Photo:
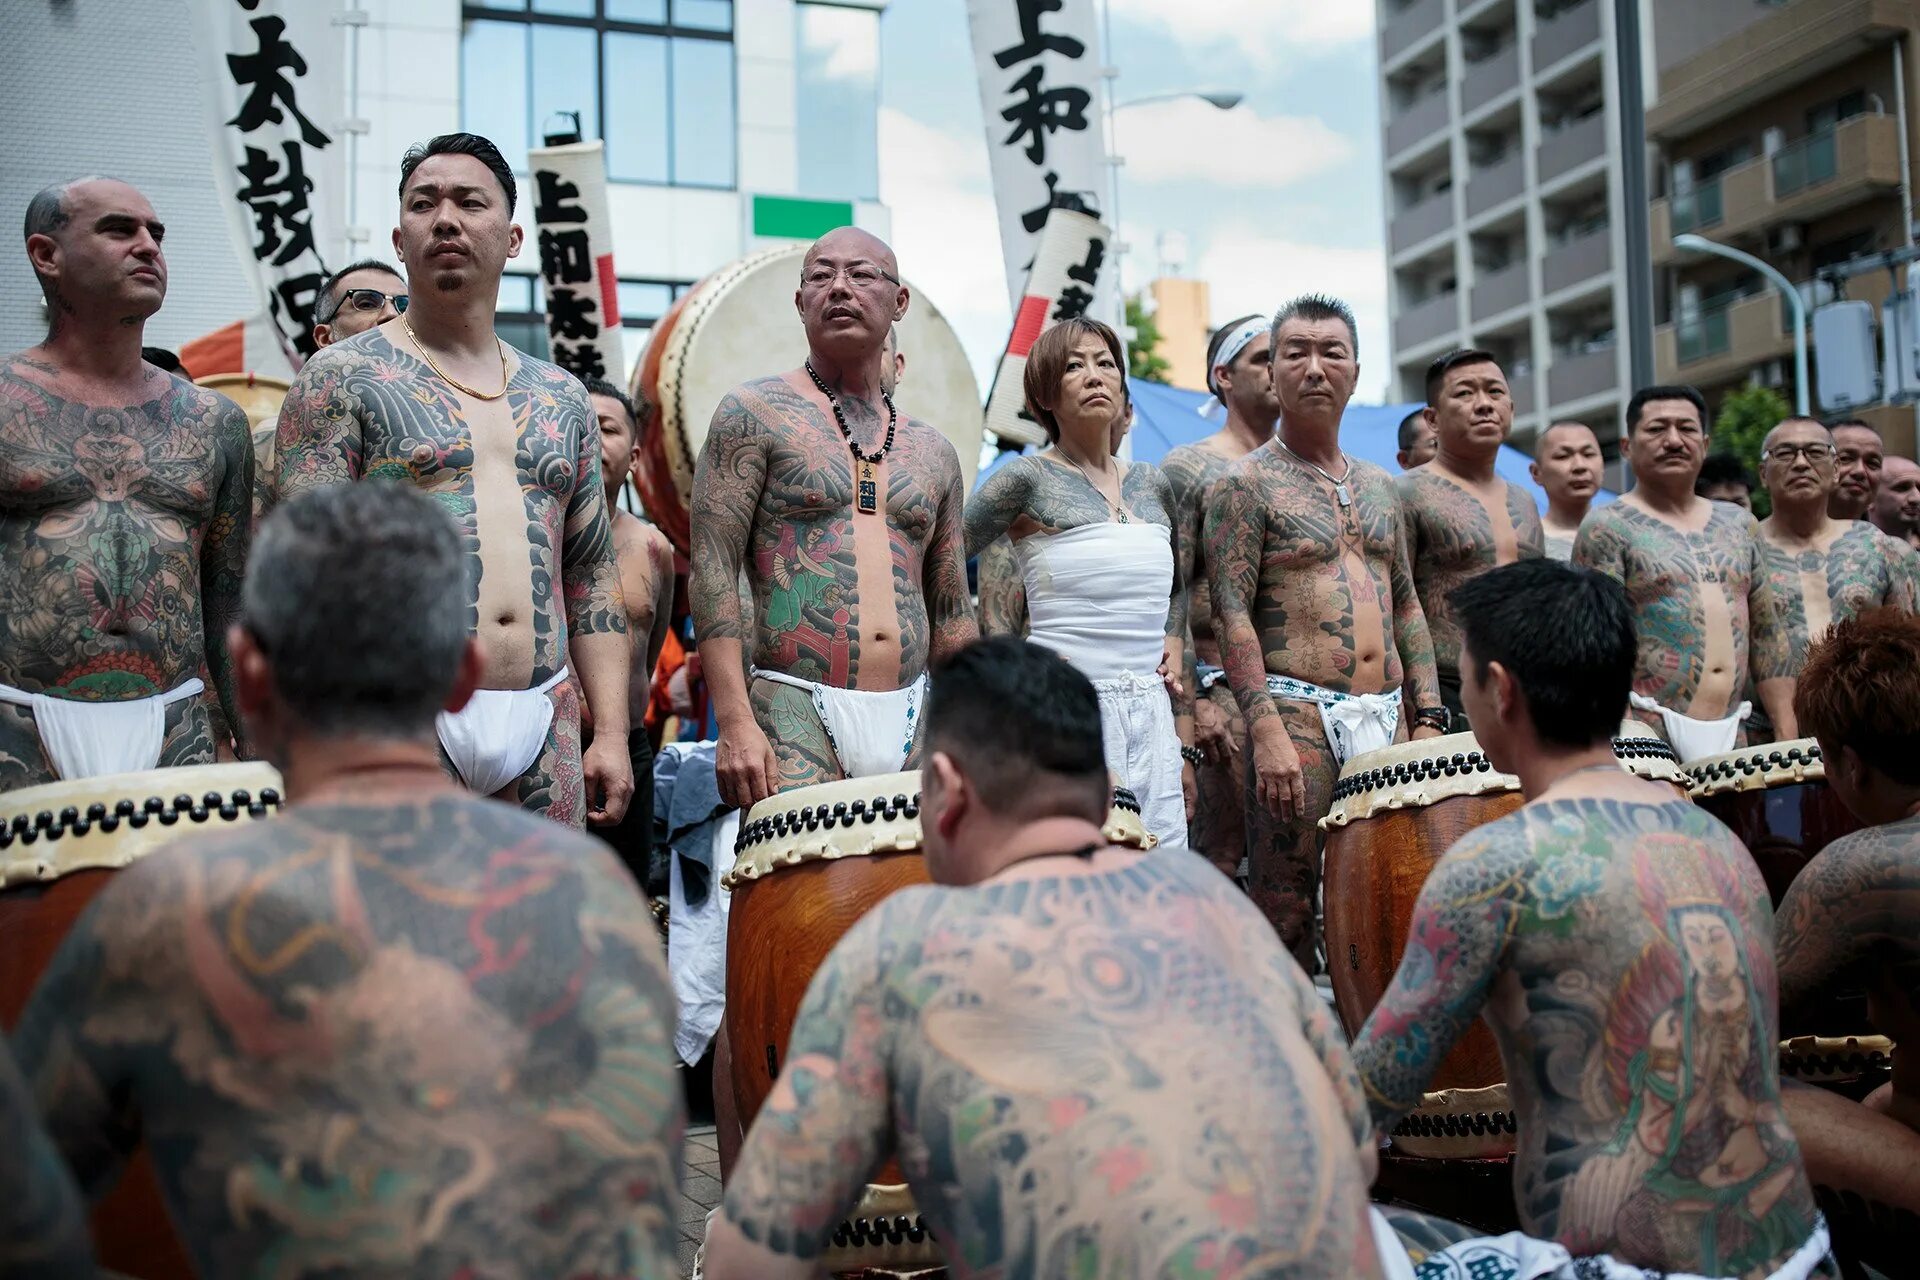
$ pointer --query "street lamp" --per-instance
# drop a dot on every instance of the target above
(1700, 244)
(1226, 100)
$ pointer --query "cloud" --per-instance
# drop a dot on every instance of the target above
(1188, 140)
(1265, 32)
(1254, 272)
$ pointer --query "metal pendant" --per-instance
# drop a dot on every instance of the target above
(869, 490)
(1345, 498)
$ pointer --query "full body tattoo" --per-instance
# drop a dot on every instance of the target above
(521, 478)
(1623, 955)
(433, 1039)
(1112, 1073)
(840, 599)
(123, 535)
(1302, 588)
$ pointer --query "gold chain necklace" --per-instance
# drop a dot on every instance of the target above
(452, 381)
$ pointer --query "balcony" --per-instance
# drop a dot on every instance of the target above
(1422, 222)
(1426, 321)
(1503, 180)
(1722, 342)
(1816, 176)
(1499, 291)
(1577, 261)
(1768, 58)
(1490, 79)
(1417, 122)
(1568, 33)
(1409, 27)
(1520, 388)
(1581, 375)
(1573, 146)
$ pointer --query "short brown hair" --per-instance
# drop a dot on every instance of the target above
(1047, 366)
(1861, 689)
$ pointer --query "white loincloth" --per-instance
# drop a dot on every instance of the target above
(1143, 750)
(1515, 1256)
(498, 735)
(1356, 723)
(91, 739)
(871, 729)
(1695, 739)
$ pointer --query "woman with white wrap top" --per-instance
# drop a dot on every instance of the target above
(1095, 544)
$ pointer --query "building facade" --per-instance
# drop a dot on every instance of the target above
(1503, 164)
(1181, 308)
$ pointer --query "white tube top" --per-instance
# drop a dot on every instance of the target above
(1098, 595)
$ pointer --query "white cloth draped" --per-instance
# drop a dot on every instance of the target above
(94, 739)
(498, 735)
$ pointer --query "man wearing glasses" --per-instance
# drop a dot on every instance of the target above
(1823, 570)
(356, 298)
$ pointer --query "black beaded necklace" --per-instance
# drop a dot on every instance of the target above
(869, 490)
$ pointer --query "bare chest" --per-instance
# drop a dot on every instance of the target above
(1665, 563)
(440, 440)
(140, 459)
(1308, 527)
(813, 478)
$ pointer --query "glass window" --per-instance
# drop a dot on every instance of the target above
(644, 301)
(703, 15)
(516, 293)
(514, 5)
(565, 8)
(837, 99)
(493, 73)
(703, 137)
(636, 71)
(563, 78)
(650, 11)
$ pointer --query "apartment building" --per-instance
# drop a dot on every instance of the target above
(1503, 171)
(1785, 130)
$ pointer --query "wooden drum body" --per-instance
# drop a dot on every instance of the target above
(58, 845)
(1774, 797)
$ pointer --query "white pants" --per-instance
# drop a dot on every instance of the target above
(498, 735)
(1515, 1256)
(1695, 739)
(1143, 750)
(91, 739)
(871, 730)
(1356, 723)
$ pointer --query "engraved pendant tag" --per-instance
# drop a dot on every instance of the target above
(1346, 499)
(869, 491)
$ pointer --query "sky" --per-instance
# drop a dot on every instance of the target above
(1277, 197)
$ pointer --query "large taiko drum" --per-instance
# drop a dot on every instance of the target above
(58, 845)
(739, 324)
(808, 864)
(1775, 797)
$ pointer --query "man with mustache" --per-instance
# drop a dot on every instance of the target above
(125, 496)
(1896, 501)
(845, 517)
(1707, 615)
(508, 444)
(1566, 463)
(1859, 462)
(1461, 517)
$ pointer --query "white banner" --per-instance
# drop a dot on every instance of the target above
(1066, 275)
(1043, 97)
(574, 234)
(275, 76)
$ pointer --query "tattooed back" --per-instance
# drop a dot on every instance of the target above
(427, 1039)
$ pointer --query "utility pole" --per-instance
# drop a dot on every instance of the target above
(1635, 196)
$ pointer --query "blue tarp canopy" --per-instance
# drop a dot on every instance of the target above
(1165, 418)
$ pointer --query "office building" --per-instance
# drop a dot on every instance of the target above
(1181, 308)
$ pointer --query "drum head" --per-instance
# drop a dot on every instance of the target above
(739, 324)
(260, 394)
(1771, 764)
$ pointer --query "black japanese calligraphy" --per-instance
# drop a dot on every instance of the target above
(1040, 111)
(1033, 41)
(263, 73)
(277, 194)
(566, 257)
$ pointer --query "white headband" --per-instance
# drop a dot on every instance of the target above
(1229, 351)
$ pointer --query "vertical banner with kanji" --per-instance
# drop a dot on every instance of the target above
(1067, 270)
(1040, 89)
(574, 237)
(275, 77)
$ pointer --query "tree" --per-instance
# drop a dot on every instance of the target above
(1143, 357)
(1741, 427)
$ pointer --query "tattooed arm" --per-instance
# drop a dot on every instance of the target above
(223, 565)
(318, 441)
(1236, 538)
(825, 1127)
(1770, 642)
(43, 1223)
(949, 610)
(1458, 935)
(597, 641)
(1858, 896)
(1003, 596)
(1597, 547)
(996, 504)
(1903, 574)
(1410, 634)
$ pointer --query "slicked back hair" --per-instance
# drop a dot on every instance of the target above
(1459, 358)
(460, 144)
(1024, 725)
(1047, 366)
(1566, 636)
(601, 387)
(1860, 688)
(1647, 395)
(1315, 306)
(357, 594)
(327, 305)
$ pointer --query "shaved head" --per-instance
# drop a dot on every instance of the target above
(851, 244)
(1796, 425)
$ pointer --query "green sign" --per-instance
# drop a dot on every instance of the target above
(790, 218)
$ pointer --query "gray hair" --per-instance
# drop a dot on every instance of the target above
(1315, 306)
(357, 594)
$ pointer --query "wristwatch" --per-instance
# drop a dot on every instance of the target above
(1192, 755)
(1434, 718)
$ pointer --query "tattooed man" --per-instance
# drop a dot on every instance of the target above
(1823, 570)
(1704, 604)
(1090, 1062)
(1240, 375)
(125, 496)
(1462, 518)
(398, 1030)
(1416, 441)
(509, 446)
(1319, 625)
(1896, 501)
(1860, 459)
(846, 518)
(1567, 464)
(1619, 942)
(43, 1223)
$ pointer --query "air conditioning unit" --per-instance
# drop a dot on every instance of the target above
(1788, 237)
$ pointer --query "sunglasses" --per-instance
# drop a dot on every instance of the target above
(372, 300)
